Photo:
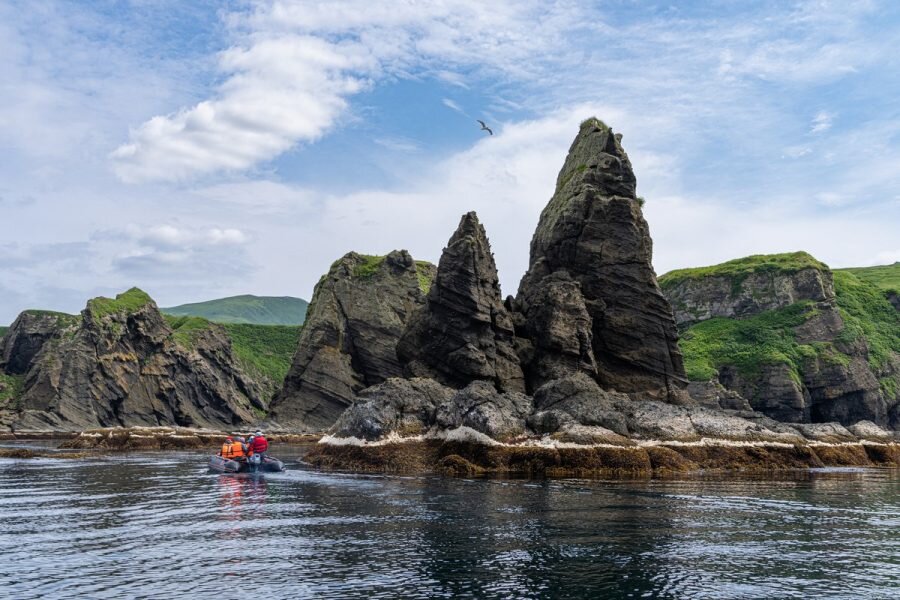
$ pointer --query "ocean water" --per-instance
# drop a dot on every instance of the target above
(158, 525)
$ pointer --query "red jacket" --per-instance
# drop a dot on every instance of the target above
(259, 444)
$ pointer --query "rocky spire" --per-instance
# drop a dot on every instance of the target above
(464, 333)
(358, 311)
(593, 233)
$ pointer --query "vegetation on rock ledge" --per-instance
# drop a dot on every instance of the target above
(126, 302)
(868, 314)
(742, 268)
(752, 343)
(10, 389)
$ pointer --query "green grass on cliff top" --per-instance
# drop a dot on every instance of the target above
(371, 263)
(126, 302)
(886, 277)
(741, 268)
(257, 310)
(3, 330)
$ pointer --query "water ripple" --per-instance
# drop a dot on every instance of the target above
(150, 524)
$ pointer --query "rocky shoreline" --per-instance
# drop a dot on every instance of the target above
(654, 458)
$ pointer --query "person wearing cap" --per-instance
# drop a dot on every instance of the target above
(258, 445)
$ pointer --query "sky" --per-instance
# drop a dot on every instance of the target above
(206, 149)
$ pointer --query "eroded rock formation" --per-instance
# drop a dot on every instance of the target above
(464, 333)
(593, 234)
(120, 364)
(792, 355)
(357, 314)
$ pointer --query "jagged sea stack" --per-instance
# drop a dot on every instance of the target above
(592, 247)
(358, 311)
(120, 363)
(464, 333)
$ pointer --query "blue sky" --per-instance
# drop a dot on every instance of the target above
(203, 149)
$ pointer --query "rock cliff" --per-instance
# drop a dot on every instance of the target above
(591, 258)
(800, 343)
(747, 286)
(121, 363)
(463, 333)
(357, 314)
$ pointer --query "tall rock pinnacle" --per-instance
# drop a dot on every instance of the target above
(463, 333)
(593, 234)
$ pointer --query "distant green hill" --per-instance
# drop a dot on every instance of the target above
(3, 330)
(256, 310)
(887, 277)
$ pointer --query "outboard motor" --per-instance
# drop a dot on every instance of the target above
(255, 460)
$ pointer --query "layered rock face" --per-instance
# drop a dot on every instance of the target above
(119, 364)
(357, 314)
(700, 298)
(591, 258)
(780, 339)
(27, 335)
(464, 333)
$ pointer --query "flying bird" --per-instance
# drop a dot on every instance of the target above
(485, 127)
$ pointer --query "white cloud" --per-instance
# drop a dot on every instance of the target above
(887, 257)
(453, 105)
(821, 122)
(295, 64)
(796, 151)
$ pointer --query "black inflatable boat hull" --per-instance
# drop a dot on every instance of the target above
(226, 465)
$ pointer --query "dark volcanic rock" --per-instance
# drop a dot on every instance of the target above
(464, 333)
(593, 233)
(894, 298)
(479, 406)
(121, 366)
(576, 399)
(400, 406)
(356, 316)
(409, 407)
(559, 330)
(27, 335)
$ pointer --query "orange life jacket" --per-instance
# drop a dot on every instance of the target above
(232, 450)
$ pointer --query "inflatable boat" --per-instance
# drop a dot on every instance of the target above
(227, 465)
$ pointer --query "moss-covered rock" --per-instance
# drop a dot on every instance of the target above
(799, 342)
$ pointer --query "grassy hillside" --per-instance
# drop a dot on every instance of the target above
(768, 338)
(741, 268)
(3, 330)
(257, 310)
(264, 351)
(887, 277)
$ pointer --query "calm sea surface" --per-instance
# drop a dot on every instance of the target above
(157, 525)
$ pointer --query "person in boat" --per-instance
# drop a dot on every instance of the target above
(232, 449)
(258, 444)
